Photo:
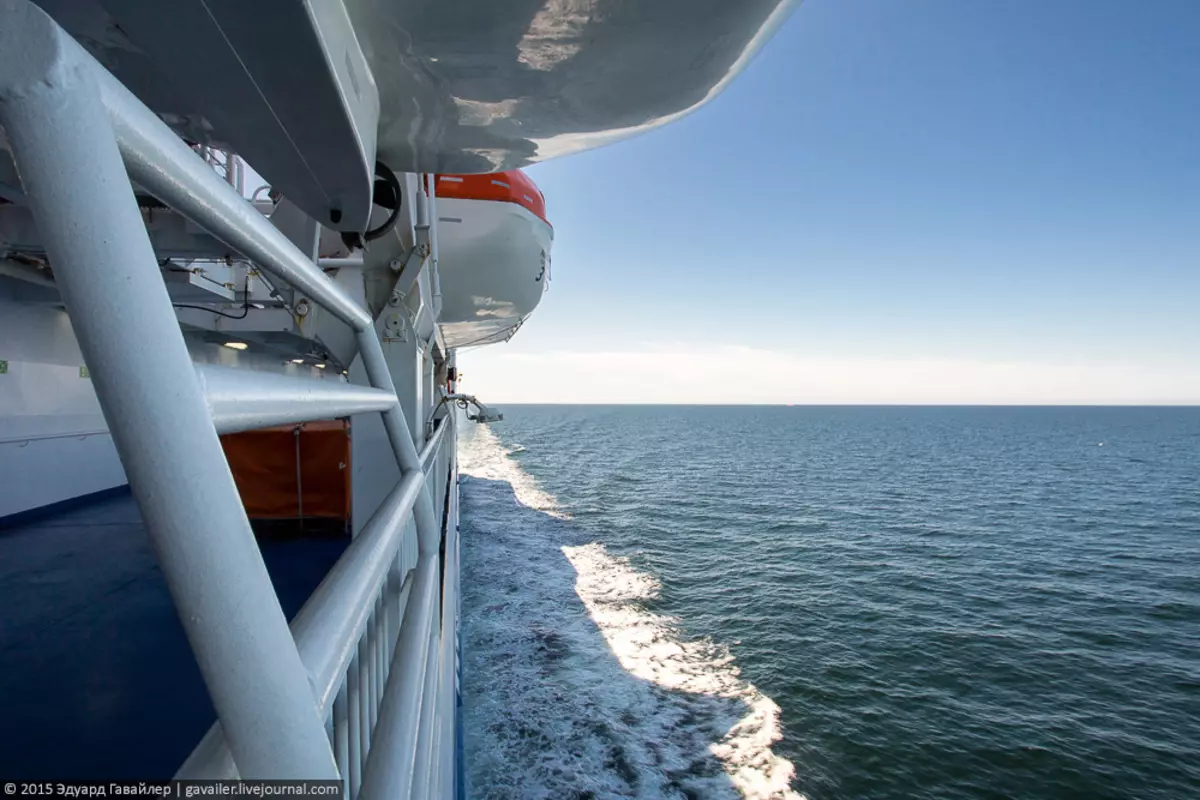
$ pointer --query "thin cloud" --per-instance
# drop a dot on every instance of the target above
(735, 374)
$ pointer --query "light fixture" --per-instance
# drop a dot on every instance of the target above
(297, 360)
(236, 345)
(319, 366)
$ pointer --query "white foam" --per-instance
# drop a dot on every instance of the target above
(601, 698)
(481, 455)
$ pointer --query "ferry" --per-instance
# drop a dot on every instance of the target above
(240, 246)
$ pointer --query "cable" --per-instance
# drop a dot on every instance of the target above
(245, 306)
(275, 293)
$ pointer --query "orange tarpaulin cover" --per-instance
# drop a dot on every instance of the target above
(264, 467)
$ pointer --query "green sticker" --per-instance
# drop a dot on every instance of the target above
(83, 372)
(3, 367)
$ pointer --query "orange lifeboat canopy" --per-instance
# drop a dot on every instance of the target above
(513, 186)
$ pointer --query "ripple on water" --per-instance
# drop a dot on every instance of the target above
(941, 602)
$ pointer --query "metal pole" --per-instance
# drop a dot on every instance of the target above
(400, 604)
(427, 729)
(390, 773)
(373, 667)
(395, 605)
(354, 709)
(71, 170)
(385, 651)
(377, 646)
(299, 478)
(364, 700)
(435, 271)
(244, 399)
(383, 642)
(341, 739)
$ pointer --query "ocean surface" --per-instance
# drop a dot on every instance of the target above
(782, 602)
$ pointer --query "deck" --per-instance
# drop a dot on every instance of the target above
(96, 677)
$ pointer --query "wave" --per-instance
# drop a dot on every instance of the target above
(480, 455)
(571, 687)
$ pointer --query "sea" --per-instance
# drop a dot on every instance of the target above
(831, 602)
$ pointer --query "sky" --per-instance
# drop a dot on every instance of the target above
(927, 201)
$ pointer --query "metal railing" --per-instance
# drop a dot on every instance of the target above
(347, 635)
(356, 688)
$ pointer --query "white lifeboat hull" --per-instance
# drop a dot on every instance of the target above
(494, 263)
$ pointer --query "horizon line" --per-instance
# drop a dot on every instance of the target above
(848, 405)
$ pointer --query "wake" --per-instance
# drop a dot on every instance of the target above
(571, 688)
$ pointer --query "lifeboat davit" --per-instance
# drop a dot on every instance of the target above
(493, 254)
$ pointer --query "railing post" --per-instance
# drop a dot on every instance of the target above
(341, 737)
(354, 719)
(71, 170)
(391, 774)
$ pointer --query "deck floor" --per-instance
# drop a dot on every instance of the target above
(96, 676)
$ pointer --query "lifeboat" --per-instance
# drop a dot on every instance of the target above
(493, 254)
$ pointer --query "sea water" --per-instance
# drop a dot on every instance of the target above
(776, 602)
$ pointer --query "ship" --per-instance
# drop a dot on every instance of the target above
(240, 247)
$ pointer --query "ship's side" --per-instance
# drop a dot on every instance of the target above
(252, 355)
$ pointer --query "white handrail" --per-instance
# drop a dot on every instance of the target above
(392, 760)
(336, 613)
(245, 399)
(333, 620)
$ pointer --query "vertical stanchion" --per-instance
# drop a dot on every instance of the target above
(372, 669)
(354, 727)
(377, 654)
(299, 478)
(341, 737)
(364, 701)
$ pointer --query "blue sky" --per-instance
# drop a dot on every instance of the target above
(917, 201)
